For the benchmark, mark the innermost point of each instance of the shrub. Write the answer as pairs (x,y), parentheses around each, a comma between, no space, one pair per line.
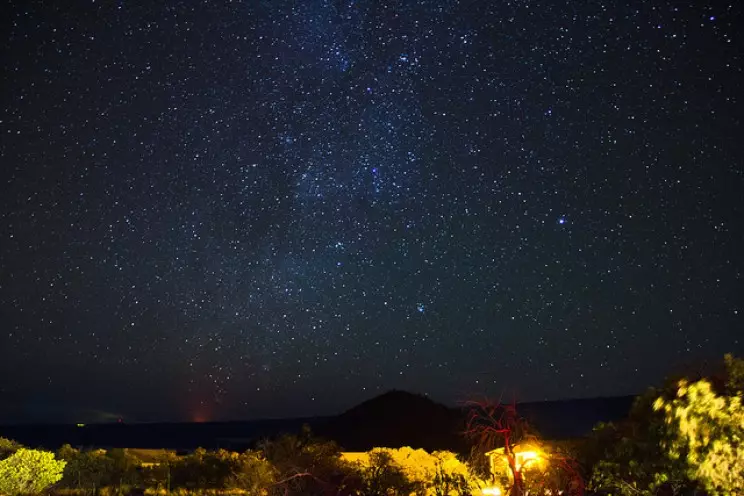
(253,473)
(8,447)
(29,471)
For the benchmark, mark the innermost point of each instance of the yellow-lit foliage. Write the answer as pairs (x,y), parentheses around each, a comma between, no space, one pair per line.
(29,472)
(421,467)
(707,430)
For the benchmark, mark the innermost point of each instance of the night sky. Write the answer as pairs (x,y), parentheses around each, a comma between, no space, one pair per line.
(226,210)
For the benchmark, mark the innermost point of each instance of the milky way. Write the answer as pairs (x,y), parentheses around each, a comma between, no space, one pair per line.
(232,210)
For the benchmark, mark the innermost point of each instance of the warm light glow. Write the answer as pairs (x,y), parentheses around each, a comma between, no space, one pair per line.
(524,457)
(527,458)
(492,491)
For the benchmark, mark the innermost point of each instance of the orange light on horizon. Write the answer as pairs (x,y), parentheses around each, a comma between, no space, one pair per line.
(199,417)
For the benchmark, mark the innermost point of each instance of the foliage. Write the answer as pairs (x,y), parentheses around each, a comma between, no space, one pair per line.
(494,425)
(706,433)
(8,447)
(734,374)
(406,470)
(452,477)
(306,465)
(381,476)
(157,475)
(217,470)
(686,434)
(89,471)
(560,474)
(204,469)
(29,472)
(253,473)
(627,458)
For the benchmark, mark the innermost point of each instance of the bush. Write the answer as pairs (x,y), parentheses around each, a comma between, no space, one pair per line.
(306,465)
(404,471)
(8,447)
(253,473)
(205,470)
(29,472)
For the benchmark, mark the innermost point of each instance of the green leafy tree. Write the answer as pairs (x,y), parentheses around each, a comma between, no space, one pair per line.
(627,458)
(686,435)
(705,431)
(29,472)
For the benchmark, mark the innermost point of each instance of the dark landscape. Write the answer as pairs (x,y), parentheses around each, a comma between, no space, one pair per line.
(396,419)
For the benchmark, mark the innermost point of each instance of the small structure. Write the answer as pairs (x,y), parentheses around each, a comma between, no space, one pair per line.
(527,457)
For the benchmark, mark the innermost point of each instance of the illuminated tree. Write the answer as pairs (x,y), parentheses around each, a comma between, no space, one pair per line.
(382,476)
(706,431)
(8,447)
(492,424)
(29,472)
(685,435)
(406,471)
(533,467)
(627,458)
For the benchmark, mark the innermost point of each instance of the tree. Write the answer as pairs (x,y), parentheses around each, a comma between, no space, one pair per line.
(204,469)
(492,424)
(29,472)
(451,476)
(253,473)
(561,474)
(685,435)
(627,458)
(87,471)
(306,465)
(8,447)
(382,476)
(705,430)
(734,370)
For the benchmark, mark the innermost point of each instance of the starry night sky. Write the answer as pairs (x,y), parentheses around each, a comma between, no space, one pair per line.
(223,210)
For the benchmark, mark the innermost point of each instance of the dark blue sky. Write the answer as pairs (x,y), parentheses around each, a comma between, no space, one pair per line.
(215,210)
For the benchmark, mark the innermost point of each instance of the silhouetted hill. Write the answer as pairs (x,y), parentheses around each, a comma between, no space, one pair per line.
(396,418)
(393,419)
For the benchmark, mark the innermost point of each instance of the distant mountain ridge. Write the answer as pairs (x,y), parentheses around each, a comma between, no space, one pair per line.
(395,418)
